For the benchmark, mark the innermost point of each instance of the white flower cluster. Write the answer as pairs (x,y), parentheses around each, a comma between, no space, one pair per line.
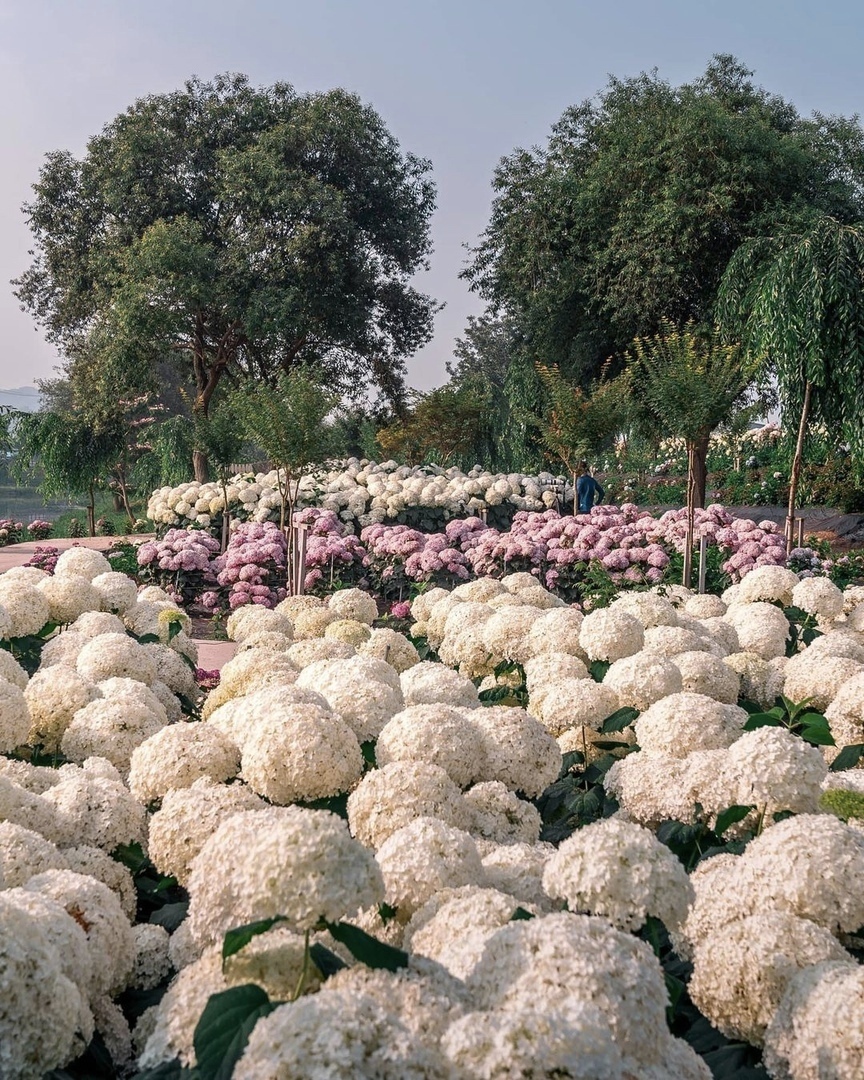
(361,491)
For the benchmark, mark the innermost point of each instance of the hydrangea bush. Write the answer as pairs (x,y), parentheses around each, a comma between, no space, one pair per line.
(554,844)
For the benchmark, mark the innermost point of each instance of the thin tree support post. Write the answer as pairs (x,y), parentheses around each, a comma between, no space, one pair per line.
(796,467)
(703,562)
(800,532)
(691,527)
(297,559)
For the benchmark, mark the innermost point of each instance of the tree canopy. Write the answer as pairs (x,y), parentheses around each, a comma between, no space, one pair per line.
(238,231)
(632,210)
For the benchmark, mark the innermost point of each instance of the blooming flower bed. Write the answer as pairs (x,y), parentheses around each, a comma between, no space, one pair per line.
(560,844)
(626,545)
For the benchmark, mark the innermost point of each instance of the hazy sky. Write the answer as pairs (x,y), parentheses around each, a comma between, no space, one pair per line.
(461,83)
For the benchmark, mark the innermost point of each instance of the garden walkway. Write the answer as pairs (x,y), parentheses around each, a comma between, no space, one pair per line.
(211,654)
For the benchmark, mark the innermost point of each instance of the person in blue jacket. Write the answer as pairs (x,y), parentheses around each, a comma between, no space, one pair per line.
(588,491)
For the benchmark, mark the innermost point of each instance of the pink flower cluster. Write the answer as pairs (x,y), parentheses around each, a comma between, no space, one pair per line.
(253,566)
(397,552)
(332,551)
(749,544)
(179,550)
(45,558)
(40,529)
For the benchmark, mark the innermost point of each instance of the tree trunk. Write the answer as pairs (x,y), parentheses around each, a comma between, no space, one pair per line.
(91,512)
(796,468)
(691,509)
(700,469)
(201,466)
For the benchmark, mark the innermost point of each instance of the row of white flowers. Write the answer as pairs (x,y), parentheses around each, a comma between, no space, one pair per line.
(442,831)
(361,491)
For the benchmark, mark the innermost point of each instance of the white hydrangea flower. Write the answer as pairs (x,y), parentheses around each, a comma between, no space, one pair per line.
(97,910)
(117,592)
(68,596)
(24,853)
(254,619)
(391,646)
(178,755)
(438,734)
(364,691)
(517,869)
(301,864)
(391,797)
(424,857)
(25,607)
(354,604)
(152,962)
(253,669)
(188,817)
(94,810)
(845,714)
(649,608)
(619,870)
(570,703)
(774,770)
(519,751)
(558,962)
(96,863)
(818,596)
(44,1020)
(681,723)
(112,727)
(350,630)
(110,655)
(762,628)
(818,1028)
(93,623)
(498,814)
(14,716)
(52,701)
(705,606)
(548,667)
(703,673)
(765,583)
(611,635)
(742,970)
(301,753)
(643,678)
(83,562)
(817,678)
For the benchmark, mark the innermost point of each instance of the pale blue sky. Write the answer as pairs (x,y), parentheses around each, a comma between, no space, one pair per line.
(459,83)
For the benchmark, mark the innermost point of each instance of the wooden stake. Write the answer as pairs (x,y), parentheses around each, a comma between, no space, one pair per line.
(703,562)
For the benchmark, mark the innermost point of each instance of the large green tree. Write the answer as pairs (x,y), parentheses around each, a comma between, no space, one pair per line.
(795,298)
(237,230)
(631,211)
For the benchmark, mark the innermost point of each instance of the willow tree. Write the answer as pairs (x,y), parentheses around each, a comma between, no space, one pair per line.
(796,299)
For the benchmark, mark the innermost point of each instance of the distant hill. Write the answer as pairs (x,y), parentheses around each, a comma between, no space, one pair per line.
(25,398)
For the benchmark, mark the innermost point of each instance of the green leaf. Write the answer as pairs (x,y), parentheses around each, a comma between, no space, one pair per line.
(240,936)
(387,912)
(731,816)
(598,670)
(762,719)
(610,744)
(225,1026)
(148,639)
(521,915)
(327,962)
(749,706)
(368,751)
(367,949)
(817,736)
(168,1070)
(170,916)
(619,720)
(848,757)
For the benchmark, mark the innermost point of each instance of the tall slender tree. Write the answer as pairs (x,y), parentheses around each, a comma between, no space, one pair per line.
(795,299)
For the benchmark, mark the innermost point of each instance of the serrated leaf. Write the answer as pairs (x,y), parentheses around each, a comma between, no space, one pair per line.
(367,949)
(240,936)
(597,670)
(848,757)
(225,1026)
(731,816)
(619,720)
(610,744)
